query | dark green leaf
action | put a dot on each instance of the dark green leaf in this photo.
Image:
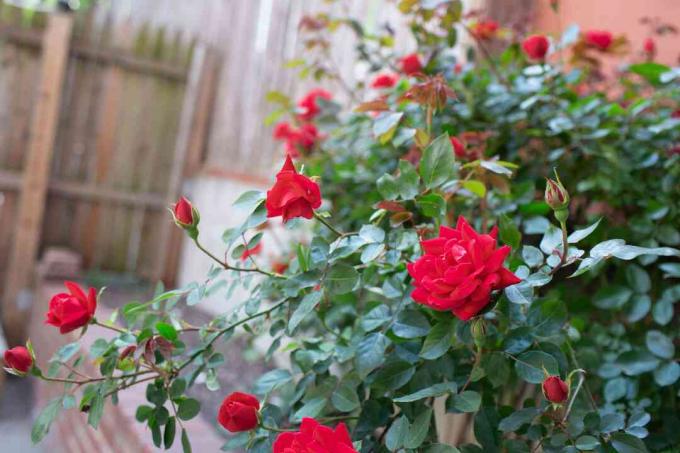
(188, 409)
(437, 163)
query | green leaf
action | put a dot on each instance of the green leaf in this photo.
(411, 324)
(66, 352)
(587, 443)
(496, 167)
(435, 390)
(169, 435)
(186, 444)
(371, 353)
(467, 401)
(517, 419)
(432, 205)
(418, 430)
(508, 232)
(659, 344)
(529, 366)
(271, 381)
(662, 312)
(249, 200)
(438, 340)
(311, 408)
(385, 126)
(667, 373)
(167, 331)
(625, 443)
(578, 235)
(388, 187)
(397, 434)
(394, 375)
(372, 234)
(650, 71)
(42, 423)
(407, 180)
(177, 388)
(629, 252)
(94, 415)
(437, 162)
(612, 297)
(345, 398)
(375, 318)
(341, 279)
(476, 187)
(304, 308)
(188, 409)
(532, 256)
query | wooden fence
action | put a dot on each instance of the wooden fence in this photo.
(98, 123)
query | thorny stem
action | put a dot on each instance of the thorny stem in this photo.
(565, 249)
(581, 380)
(226, 265)
(572, 354)
(109, 326)
(89, 380)
(328, 225)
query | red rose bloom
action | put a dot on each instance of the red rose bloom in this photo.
(308, 106)
(410, 64)
(458, 147)
(649, 47)
(600, 39)
(297, 140)
(459, 269)
(18, 359)
(536, 47)
(71, 311)
(314, 437)
(293, 194)
(183, 212)
(384, 81)
(250, 252)
(485, 30)
(555, 389)
(676, 114)
(238, 412)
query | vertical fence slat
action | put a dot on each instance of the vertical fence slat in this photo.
(56, 42)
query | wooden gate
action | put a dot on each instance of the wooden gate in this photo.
(97, 125)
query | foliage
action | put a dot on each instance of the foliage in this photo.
(599, 284)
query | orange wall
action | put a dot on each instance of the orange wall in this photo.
(618, 16)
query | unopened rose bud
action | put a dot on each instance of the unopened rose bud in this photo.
(186, 216)
(478, 331)
(557, 197)
(555, 389)
(18, 360)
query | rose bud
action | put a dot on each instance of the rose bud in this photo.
(293, 195)
(649, 47)
(599, 39)
(247, 253)
(555, 389)
(239, 412)
(18, 360)
(536, 47)
(309, 108)
(70, 311)
(186, 216)
(557, 197)
(410, 64)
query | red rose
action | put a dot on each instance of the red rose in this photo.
(184, 213)
(485, 30)
(238, 412)
(293, 194)
(71, 311)
(458, 147)
(459, 269)
(18, 359)
(250, 252)
(314, 437)
(676, 114)
(308, 106)
(600, 39)
(649, 47)
(410, 64)
(536, 47)
(279, 267)
(297, 140)
(384, 81)
(555, 389)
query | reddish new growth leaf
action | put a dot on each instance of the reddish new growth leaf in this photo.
(433, 92)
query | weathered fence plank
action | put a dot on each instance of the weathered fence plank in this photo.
(36, 175)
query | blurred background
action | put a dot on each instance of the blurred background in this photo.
(111, 109)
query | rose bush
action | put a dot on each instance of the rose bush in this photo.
(546, 313)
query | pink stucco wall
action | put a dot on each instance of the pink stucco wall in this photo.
(618, 16)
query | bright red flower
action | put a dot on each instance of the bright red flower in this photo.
(297, 140)
(600, 39)
(18, 359)
(184, 212)
(676, 114)
(279, 267)
(649, 47)
(293, 194)
(485, 30)
(410, 64)
(308, 106)
(459, 270)
(314, 437)
(238, 412)
(384, 81)
(536, 47)
(250, 252)
(555, 389)
(72, 310)
(458, 147)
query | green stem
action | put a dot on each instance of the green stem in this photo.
(108, 326)
(276, 430)
(328, 225)
(226, 265)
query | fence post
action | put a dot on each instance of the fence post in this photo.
(23, 255)
(200, 63)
